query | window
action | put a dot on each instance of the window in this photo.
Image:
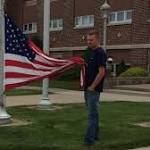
(112, 17)
(30, 28)
(56, 24)
(84, 21)
(30, 2)
(120, 17)
(128, 15)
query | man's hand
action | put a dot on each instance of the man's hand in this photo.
(98, 78)
(90, 88)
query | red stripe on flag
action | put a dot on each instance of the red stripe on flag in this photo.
(17, 75)
(23, 65)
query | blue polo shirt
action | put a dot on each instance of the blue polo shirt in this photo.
(94, 58)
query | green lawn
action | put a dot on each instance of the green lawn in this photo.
(72, 85)
(65, 84)
(16, 92)
(64, 129)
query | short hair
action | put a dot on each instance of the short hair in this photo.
(93, 32)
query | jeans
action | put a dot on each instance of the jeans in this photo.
(92, 101)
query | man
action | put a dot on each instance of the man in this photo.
(95, 69)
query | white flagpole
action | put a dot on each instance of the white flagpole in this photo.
(4, 116)
(45, 102)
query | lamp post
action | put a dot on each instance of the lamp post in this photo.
(105, 8)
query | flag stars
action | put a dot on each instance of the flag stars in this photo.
(16, 42)
(10, 25)
(17, 46)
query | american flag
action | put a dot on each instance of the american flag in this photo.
(25, 62)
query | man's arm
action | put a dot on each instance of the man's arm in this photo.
(98, 78)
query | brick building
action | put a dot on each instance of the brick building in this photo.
(128, 26)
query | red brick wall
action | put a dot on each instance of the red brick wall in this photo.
(84, 7)
(141, 26)
(120, 34)
(119, 55)
(135, 57)
(70, 36)
(40, 14)
(14, 9)
(30, 14)
(118, 5)
(57, 9)
(139, 57)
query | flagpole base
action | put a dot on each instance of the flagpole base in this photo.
(45, 103)
(5, 118)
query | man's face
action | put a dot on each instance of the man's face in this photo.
(92, 41)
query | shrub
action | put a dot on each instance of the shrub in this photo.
(121, 67)
(38, 41)
(73, 74)
(135, 72)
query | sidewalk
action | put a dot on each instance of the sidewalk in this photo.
(138, 87)
(144, 148)
(70, 96)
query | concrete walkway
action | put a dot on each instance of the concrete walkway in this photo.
(138, 87)
(70, 96)
(143, 148)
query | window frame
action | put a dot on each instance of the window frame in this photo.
(124, 21)
(80, 23)
(59, 24)
(26, 28)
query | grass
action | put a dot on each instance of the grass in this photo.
(16, 92)
(64, 84)
(64, 129)
(72, 85)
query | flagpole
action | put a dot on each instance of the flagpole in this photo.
(45, 102)
(4, 116)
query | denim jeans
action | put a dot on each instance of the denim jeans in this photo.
(92, 101)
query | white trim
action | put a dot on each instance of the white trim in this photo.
(131, 46)
(115, 47)
(56, 29)
(119, 23)
(84, 27)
